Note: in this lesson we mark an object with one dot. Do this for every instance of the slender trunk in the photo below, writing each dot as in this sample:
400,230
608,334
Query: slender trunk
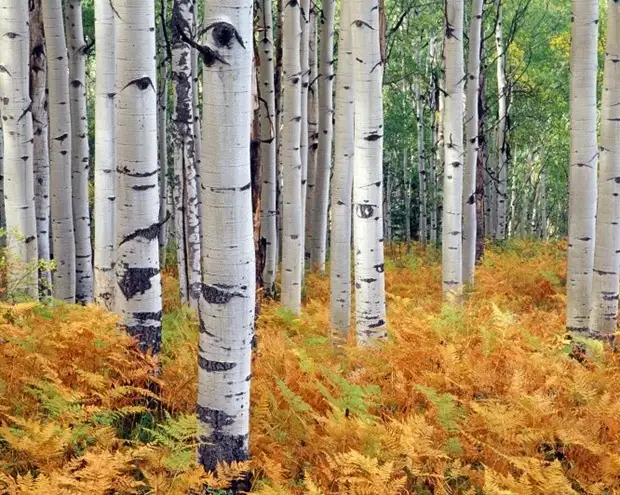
604,313
292,267
228,290
502,131
41,161
138,296
544,234
305,84
480,166
105,163
471,152
340,254
197,125
60,151
18,134
368,173
186,217
320,205
452,239
422,190
80,156
2,211
313,125
435,155
162,136
441,155
407,196
387,202
583,164
269,235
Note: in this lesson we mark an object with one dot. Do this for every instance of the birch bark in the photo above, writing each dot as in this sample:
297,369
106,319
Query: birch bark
228,290
138,295
471,152
41,160
454,154
583,164
340,274
105,153
604,313
80,157
502,131
18,134
313,126
60,151
368,173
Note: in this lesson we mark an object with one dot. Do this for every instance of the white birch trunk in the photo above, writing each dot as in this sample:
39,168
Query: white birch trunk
604,313
304,140
80,158
407,196
105,153
471,152
187,230
502,128
138,295
544,234
313,126
2,211
292,267
18,134
60,151
454,153
269,233
583,164
320,203
228,291
41,160
437,154
422,218
341,196
165,194
368,174
440,158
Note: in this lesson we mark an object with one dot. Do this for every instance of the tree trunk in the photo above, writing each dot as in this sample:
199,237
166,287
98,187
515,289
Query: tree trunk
304,140
80,156
228,291
340,270
41,161
313,126
452,239
184,149
407,196
269,234
422,190
2,211
368,173
604,315
138,298
105,163
471,152
502,131
544,235
480,165
434,155
162,137
60,151
320,205
18,134
583,165
292,268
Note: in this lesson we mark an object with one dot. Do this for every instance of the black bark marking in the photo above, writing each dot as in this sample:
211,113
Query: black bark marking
215,366
148,337
373,136
137,281
143,83
217,295
365,211
149,233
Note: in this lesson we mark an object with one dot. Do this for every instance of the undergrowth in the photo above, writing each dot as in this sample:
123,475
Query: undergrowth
483,399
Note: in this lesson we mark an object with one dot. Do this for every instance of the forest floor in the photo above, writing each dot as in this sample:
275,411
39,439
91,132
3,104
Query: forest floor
484,399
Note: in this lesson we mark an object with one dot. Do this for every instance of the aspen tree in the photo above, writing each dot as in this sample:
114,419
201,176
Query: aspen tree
16,113
454,154
228,291
138,294
304,139
583,164
269,234
368,174
105,152
320,204
80,157
606,278
502,130
63,236
342,183
422,189
162,135
313,124
471,153
41,155
292,267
